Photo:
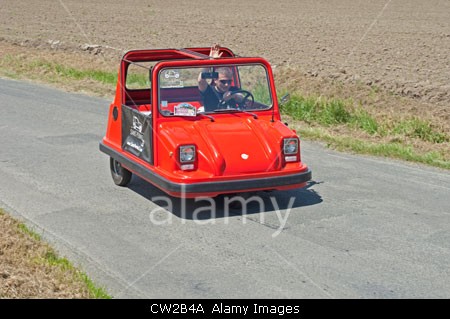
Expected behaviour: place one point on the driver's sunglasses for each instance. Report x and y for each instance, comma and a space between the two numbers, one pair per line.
225, 81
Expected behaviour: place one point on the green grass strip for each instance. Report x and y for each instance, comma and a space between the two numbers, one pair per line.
322, 111
72, 73
392, 150
52, 259
328, 112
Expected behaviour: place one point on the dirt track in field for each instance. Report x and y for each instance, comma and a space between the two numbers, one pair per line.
402, 46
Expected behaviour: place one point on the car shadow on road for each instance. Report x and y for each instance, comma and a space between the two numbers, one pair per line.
222, 206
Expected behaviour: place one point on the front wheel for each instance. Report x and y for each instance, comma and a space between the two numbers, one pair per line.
120, 175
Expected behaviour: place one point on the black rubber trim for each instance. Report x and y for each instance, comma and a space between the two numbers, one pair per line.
207, 187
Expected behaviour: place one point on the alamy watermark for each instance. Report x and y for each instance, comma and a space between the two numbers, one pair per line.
216, 212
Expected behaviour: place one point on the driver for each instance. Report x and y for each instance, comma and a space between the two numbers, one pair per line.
219, 90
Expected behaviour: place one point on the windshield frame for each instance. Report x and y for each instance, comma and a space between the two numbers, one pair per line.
164, 66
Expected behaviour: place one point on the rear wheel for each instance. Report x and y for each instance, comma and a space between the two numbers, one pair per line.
120, 175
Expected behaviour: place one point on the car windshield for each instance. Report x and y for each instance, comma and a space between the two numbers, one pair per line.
207, 90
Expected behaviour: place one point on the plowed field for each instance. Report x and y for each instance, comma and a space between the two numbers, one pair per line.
400, 45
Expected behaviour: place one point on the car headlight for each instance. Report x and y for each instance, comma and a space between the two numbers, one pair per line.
187, 154
290, 146
290, 149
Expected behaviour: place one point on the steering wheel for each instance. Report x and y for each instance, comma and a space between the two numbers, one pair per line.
246, 100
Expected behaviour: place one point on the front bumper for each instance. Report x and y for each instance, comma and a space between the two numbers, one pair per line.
209, 188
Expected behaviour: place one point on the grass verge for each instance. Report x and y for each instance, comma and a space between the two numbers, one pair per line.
344, 126
390, 149
30, 268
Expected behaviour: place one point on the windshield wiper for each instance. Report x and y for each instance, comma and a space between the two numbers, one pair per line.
232, 110
252, 114
208, 116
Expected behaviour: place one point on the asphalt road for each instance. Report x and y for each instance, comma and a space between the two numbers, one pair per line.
363, 228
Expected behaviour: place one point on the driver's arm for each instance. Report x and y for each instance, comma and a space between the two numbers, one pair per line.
215, 54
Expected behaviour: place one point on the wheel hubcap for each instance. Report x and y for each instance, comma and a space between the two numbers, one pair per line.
117, 168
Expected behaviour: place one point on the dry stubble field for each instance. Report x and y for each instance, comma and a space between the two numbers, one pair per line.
396, 48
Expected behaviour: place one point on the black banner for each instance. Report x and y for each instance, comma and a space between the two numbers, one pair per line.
192, 308
137, 133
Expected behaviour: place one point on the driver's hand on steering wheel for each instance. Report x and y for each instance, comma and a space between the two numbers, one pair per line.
229, 95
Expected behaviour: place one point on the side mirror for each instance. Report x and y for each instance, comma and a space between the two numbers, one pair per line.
285, 98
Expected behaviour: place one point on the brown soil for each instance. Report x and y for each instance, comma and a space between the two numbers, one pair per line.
402, 46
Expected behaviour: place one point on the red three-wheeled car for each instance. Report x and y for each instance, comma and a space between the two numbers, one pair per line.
164, 128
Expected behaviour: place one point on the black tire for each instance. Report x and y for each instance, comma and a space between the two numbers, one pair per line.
120, 175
